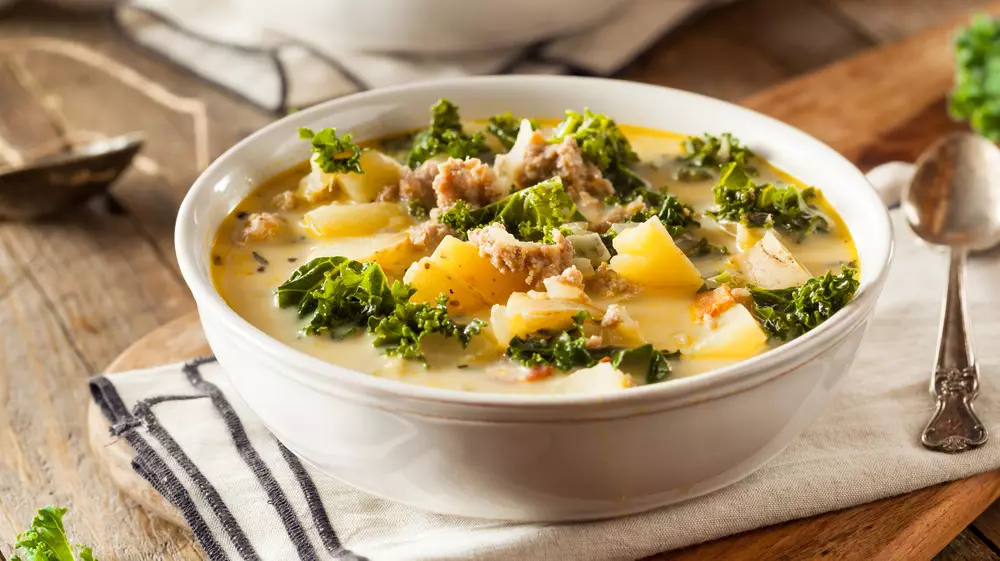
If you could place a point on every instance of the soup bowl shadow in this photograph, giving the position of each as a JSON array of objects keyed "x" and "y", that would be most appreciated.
[{"x": 531, "y": 457}]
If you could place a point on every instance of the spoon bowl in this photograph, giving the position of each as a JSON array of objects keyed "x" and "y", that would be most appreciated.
[
  {"x": 52, "y": 183},
  {"x": 954, "y": 197}
]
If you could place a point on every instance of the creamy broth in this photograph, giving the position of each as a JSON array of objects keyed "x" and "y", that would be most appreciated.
[{"x": 246, "y": 274}]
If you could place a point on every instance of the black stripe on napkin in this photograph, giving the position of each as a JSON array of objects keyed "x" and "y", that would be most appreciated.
[
  {"x": 276, "y": 496},
  {"x": 151, "y": 467}
]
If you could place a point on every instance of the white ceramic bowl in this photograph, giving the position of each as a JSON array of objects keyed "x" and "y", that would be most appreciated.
[
  {"x": 534, "y": 457},
  {"x": 425, "y": 26}
]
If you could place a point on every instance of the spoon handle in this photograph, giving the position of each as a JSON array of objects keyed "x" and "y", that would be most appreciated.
[{"x": 955, "y": 426}]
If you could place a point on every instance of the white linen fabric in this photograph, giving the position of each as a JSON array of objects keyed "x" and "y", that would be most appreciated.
[
  {"x": 247, "y": 497},
  {"x": 279, "y": 73}
]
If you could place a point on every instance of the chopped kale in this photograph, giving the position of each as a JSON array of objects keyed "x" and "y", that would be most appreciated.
[
  {"x": 401, "y": 333},
  {"x": 506, "y": 127},
  {"x": 703, "y": 155},
  {"x": 445, "y": 135},
  {"x": 46, "y": 540},
  {"x": 340, "y": 295},
  {"x": 976, "y": 95},
  {"x": 529, "y": 214},
  {"x": 790, "y": 312},
  {"x": 604, "y": 145},
  {"x": 567, "y": 350},
  {"x": 333, "y": 154},
  {"x": 739, "y": 199}
]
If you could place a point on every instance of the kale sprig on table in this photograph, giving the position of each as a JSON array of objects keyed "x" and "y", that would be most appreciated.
[{"x": 46, "y": 540}]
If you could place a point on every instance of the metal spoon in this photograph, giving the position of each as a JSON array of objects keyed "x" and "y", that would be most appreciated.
[{"x": 954, "y": 200}]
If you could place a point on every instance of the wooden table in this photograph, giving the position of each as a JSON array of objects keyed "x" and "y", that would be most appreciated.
[{"x": 76, "y": 291}]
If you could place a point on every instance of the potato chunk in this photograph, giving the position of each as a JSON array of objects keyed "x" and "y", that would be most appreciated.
[
  {"x": 534, "y": 311},
  {"x": 463, "y": 260},
  {"x": 431, "y": 280},
  {"x": 770, "y": 265},
  {"x": 734, "y": 334},
  {"x": 379, "y": 170},
  {"x": 648, "y": 257},
  {"x": 396, "y": 255},
  {"x": 602, "y": 378},
  {"x": 344, "y": 219}
]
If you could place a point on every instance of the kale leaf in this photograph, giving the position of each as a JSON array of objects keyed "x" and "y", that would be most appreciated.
[
  {"x": 740, "y": 199},
  {"x": 705, "y": 154},
  {"x": 445, "y": 135},
  {"x": 401, "y": 333},
  {"x": 529, "y": 214},
  {"x": 790, "y": 312},
  {"x": 567, "y": 350},
  {"x": 976, "y": 95},
  {"x": 333, "y": 154},
  {"x": 338, "y": 294},
  {"x": 46, "y": 540},
  {"x": 506, "y": 127},
  {"x": 603, "y": 144}
]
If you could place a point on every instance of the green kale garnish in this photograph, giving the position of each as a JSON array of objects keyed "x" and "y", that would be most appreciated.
[
  {"x": 333, "y": 154},
  {"x": 402, "y": 332},
  {"x": 567, "y": 350},
  {"x": 529, "y": 214},
  {"x": 603, "y": 144},
  {"x": 340, "y": 295},
  {"x": 976, "y": 95},
  {"x": 445, "y": 135},
  {"x": 740, "y": 199},
  {"x": 506, "y": 128},
  {"x": 705, "y": 154},
  {"x": 790, "y": 312},
  {"x": 46, "y": 540},
  {"x": 417, "y": 210}
]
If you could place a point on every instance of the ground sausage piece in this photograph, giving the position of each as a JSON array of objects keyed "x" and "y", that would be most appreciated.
[
  {"x": 620, "y": 213},
  {"x": 508, "y": 254},
  {"x": 428, "y": 234},
  {"x": 594, "y": 342},
  {"x": 613, "y": 316},
  {"x": 415, "y": 185},
  {"x": 261, "y": 226},
  {"x": 606, "y": 282},
  {"x": 543, "y": 160},
  {"x": 286, "y": 200},
  {"x": 712, "y": 304},
  {"x": 468, "y": 180}
]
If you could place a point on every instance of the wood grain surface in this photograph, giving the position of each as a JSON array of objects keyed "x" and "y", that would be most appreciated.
[{"x": 77, "y": 290}]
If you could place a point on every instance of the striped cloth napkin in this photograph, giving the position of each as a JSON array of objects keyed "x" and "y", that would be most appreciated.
[
  {"x": 278, "y": 72},
  {"x": 246, "y": 496}
]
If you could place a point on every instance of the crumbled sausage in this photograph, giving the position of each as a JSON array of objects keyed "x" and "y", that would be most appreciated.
[
  {"x": 537, "y": 372},
  {"x": 469, "y": 180},
  {"x": 594, "y": 342},
  {"x": 286, "y": 200},
  {"x": 507, "y": 253},
  {"x": 543, "y": 160},
  {"x": 619, "y": 213},
  {"x": 742, "y": 296},
  {"x": 417, "y": 185},
  {"x": 606, "y": 282},
  {"x": 428, "y": 234},
  {"x": 261, "y": 226},
  {"x": 711, "y": 304},
  {"x": 614, "y": 316},
  {"x": 567, "y": 285}
]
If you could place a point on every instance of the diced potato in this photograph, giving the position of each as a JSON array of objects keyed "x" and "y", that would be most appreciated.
[
  {"x": 735, "y": 334},
  {"x": 379, "y": 171},
  {"x": 318, "y": 186},
  {"x": 345, "y": 219},
  {"x": 527, "y": 314},
  {"x": 746, "y": 236},
  {"x": 508, "y": 166},
  {"x": 500, "y": 325},
  {"x": 430, "y": 281},
  {"x": 556, "y": 287},
  {"x": 769, "y": 264},
  {"x": 648, "y": 256},
  {"x": 602, "y": 378},
  {"x": 625, "y": 334},
  {"x": 462, "y": 260},
  {"x": 396, "y": 256}
]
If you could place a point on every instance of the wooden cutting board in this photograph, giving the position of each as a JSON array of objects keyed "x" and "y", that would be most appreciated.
[{"x": 885, "y": 104}]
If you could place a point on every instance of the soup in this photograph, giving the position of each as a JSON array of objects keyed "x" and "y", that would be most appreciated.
[{"x": 533, "y": 256}]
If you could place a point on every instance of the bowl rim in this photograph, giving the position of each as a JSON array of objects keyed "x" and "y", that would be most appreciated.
[{"x": 738, "y": 377}]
